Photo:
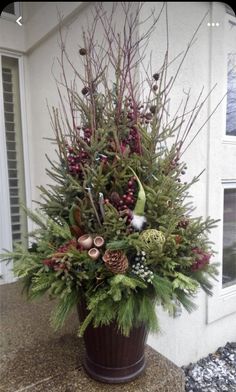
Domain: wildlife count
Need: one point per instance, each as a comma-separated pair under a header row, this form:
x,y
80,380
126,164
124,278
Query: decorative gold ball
x,y
153,238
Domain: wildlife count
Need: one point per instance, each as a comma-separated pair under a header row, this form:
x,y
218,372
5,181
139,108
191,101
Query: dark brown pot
x,y
111,357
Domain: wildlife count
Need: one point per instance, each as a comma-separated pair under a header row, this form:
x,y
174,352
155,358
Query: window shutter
x,y
14,148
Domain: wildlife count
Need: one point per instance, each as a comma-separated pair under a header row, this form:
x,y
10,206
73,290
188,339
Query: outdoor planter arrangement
x,y
114,235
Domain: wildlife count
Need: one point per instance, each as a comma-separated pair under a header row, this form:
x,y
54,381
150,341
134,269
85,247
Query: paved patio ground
x,y
36,359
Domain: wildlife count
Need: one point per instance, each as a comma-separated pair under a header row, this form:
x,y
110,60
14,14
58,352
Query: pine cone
x,y
116,261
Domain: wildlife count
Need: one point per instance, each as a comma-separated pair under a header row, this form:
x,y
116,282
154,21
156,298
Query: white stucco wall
x,y
189,337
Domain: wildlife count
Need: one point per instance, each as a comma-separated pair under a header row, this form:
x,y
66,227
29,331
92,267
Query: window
x,y
221,168
13,147
229,238
231,79
231,96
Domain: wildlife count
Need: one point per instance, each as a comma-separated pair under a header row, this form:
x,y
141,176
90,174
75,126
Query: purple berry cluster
x,y
125,203
133,138
77,157
201,259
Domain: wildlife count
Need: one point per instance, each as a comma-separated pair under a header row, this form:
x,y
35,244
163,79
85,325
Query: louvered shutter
x,y
11,98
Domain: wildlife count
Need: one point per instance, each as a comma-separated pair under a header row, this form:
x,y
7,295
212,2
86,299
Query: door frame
x,y
222,149
5,216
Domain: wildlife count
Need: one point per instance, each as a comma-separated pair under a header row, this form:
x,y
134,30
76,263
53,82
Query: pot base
x,y
114,375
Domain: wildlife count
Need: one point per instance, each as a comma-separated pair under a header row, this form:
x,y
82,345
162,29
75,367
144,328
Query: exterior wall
x,y
189,337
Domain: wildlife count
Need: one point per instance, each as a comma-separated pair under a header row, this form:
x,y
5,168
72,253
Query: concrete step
x,y
36,359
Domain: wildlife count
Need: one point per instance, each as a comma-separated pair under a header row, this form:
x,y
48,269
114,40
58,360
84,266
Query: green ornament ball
x,y
153,238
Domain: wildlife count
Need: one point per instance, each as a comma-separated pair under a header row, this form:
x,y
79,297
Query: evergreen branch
x,y
63,308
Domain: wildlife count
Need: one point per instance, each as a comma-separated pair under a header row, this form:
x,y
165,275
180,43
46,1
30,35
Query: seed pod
x,y
156,76
82,51
85,241
153,109
94,253
85,90
148,116
98,241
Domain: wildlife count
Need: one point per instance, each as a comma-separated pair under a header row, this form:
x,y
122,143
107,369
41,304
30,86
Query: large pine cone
x,y
116,261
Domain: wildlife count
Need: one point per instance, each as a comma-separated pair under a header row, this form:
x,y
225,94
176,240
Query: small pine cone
x,y
116,261
115,197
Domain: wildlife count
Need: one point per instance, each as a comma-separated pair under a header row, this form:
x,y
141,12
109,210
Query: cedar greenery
x,y
109,143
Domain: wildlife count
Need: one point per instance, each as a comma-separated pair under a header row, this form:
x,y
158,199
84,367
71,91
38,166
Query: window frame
x,y
5,218
223,301
228,139
226,184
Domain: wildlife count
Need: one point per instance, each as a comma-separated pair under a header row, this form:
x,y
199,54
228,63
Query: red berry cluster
x,y
128,199
87,133
78,157
76,160
202,258
125,203
133,116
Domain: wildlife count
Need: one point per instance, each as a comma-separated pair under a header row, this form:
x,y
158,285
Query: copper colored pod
x,y
76,231
94,253
98,241
85,241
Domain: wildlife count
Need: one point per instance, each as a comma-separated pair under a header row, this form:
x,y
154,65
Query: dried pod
x,y
85,90
94,253
76,231
153,109
156,76
85,241
98,241
82,51
115,197
148,116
